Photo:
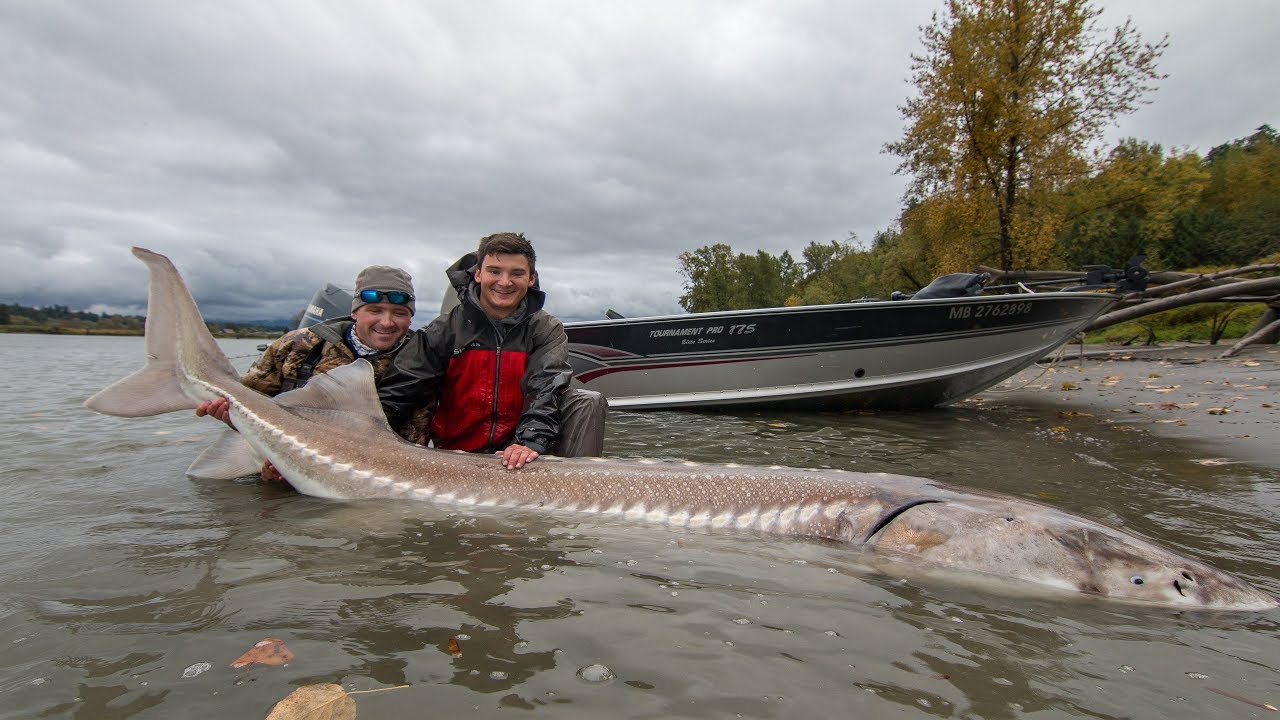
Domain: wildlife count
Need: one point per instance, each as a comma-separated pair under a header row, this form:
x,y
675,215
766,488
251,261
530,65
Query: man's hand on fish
x,y
271,474
220,409
517,456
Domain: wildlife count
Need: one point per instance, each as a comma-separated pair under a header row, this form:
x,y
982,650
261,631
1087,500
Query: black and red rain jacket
x,y
494,384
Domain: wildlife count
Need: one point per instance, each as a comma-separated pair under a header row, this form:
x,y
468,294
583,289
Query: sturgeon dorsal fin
x,y
344,397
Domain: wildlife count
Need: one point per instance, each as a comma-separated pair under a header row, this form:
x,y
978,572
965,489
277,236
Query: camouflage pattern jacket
x,y
277,370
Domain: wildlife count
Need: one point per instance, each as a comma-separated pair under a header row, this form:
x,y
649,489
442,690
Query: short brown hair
x,y
506,243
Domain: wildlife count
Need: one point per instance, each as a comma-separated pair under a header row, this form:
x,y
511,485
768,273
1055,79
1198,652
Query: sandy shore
x,y
1229,408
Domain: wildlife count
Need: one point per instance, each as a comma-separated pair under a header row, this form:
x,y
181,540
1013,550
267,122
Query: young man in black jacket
x,y
496,366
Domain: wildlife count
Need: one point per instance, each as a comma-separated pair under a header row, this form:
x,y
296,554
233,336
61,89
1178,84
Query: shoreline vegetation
x,y
60,320
55,330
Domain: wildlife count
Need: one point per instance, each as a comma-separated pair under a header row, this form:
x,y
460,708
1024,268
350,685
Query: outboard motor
x,y
950,286
326,304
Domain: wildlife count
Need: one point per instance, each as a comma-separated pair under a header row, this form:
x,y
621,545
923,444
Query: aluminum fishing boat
x,y
885,354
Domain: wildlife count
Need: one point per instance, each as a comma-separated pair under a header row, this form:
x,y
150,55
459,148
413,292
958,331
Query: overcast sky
x,y
271,147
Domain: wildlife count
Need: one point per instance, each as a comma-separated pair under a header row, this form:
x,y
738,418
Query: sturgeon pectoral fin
x,y
230,456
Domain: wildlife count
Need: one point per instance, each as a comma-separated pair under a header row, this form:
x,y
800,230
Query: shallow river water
x,y
128,589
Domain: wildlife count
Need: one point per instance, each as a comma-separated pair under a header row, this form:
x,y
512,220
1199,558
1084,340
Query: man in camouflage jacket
x,y
300,354
381,312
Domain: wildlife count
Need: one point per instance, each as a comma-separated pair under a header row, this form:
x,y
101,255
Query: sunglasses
x,y
395,297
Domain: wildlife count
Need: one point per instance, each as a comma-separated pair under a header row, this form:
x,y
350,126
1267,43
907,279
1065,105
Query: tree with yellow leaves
x,y
1011,95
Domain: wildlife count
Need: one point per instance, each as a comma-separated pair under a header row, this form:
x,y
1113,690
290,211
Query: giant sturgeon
x,y
330,439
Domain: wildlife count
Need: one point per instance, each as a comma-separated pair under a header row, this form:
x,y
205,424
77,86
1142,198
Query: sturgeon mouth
x,y
892,515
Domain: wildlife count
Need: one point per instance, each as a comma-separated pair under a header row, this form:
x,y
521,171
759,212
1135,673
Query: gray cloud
x,y
269,148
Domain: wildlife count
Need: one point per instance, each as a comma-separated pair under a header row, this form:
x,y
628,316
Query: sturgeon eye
x,y
1136,580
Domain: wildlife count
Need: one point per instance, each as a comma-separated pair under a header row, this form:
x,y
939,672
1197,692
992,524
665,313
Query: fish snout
x,y
1207,587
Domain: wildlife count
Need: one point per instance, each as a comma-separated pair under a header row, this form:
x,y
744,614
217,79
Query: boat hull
x,y
884,355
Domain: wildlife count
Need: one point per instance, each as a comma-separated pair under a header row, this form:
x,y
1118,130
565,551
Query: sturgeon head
x,y
330,439
1007,537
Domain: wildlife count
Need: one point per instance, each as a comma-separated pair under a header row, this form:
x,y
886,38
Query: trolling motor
x,y
1133,278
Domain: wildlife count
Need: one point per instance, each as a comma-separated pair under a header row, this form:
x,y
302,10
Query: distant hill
x,y
61,320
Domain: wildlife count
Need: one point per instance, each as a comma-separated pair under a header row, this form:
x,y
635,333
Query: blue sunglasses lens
x,y
395,297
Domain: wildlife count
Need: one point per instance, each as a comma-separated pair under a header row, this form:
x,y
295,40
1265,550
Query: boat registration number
x,y
981,311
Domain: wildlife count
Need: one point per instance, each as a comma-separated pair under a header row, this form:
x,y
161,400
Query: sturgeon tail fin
x,y
179,350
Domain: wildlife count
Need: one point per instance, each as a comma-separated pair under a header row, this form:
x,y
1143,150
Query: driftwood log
x,y
1263,286
1265,332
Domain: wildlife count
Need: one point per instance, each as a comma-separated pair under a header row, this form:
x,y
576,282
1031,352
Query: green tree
x,y
818,257
1010,96
1132,204
718,279
709,278
841,272
1237,219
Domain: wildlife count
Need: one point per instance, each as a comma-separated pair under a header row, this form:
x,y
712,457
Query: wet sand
x,y
1228,410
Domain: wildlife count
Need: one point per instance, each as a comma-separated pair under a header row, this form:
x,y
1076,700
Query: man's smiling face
x,y
504,281
381,325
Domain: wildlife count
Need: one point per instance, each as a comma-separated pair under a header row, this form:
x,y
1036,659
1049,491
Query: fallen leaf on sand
x,y
323,701
1251,363
1072,413
1060,429
455,649
1176,406
1175,421
1070,386
1154,375
1245,700
267,651
1219,411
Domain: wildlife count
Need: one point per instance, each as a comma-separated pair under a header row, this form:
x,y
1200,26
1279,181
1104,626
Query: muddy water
x,y
119,574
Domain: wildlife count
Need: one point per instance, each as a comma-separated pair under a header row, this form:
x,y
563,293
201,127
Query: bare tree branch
x,y
1250,339
1201,279
1263,285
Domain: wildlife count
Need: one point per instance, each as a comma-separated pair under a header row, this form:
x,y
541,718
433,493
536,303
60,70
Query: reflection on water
x,y
120,573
